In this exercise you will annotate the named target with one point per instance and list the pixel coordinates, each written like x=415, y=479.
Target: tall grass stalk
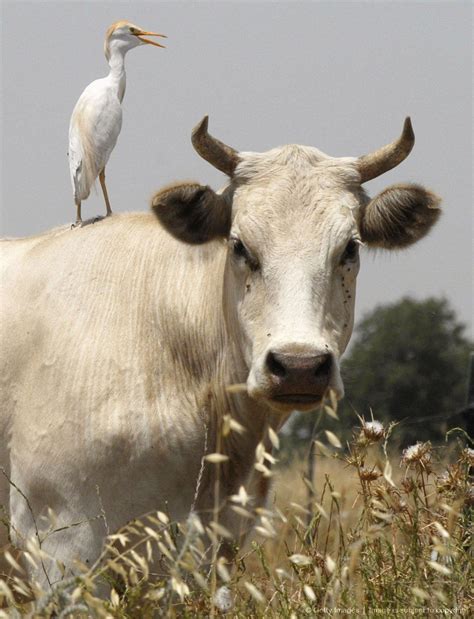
x=384, y=533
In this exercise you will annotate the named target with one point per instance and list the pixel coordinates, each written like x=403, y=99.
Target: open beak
x=141, y=34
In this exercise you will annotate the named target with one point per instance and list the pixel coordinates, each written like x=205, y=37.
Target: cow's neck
x=239, y=447
x=255, y=417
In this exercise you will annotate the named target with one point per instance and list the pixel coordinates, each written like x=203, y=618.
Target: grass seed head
x=368, y=475
x=419, y=454
x=223, y=599
x=373, y=431
x=467, y=455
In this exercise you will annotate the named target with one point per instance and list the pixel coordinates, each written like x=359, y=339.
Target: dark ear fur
x=399, y=216
x=192, y=213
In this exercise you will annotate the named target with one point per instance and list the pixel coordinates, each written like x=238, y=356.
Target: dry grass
x=385, y=535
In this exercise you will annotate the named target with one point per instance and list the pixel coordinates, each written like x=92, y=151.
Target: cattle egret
x=97, y=117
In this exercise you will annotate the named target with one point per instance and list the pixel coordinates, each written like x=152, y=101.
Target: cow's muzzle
x=300, y=378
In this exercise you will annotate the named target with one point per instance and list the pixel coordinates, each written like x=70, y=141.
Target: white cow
x=119, y=339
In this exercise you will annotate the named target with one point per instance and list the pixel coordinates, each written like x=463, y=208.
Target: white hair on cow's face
x=254, y=165
x=263, y=165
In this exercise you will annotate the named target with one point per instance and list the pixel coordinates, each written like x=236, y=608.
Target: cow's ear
x=399, y=216
x=192, y=213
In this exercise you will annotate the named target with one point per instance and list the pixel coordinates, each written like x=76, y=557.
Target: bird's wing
x=105, y=123
x=75, y=152
x=81, y=181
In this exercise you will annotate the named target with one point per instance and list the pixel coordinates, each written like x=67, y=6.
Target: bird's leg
x=104, y=191
x=78, y=221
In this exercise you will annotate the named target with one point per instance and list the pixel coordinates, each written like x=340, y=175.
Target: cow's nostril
x=324, y=365
x=276, y=368
x=297, y=368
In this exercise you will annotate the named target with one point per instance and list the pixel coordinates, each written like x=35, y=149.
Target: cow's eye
x=240, y=251
x=239, y=248
x=351, y=252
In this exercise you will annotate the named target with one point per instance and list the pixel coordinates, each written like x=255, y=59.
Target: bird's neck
x=117, y=75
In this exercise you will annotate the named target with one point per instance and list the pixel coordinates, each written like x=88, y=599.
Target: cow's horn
x=221, y=156
x=387, y=157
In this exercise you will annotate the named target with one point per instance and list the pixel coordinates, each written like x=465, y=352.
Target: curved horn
x=387, y=157
x=221, y=156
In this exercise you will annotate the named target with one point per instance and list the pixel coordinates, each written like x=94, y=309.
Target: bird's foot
x=80, y=223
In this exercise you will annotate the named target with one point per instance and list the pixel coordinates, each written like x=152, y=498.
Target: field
x=384, y=534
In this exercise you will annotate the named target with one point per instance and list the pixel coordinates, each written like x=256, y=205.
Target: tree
x=408, y=363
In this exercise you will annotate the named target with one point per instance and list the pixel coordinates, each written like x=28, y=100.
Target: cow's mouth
x=298, y=398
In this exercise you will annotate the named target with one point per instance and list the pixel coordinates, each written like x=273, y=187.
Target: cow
x=120, y=339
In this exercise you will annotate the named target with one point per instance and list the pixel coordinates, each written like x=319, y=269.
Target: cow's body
x=119, y=341
x=113, y=383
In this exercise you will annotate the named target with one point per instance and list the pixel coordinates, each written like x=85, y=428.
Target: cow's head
x=294, y=219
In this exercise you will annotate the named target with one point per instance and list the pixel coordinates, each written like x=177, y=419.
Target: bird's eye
x=133, y=30
x=240, y=251
x=351, y=252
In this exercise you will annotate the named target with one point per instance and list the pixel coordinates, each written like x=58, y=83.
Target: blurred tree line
x=408, y=363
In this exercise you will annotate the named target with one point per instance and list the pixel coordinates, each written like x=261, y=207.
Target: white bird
x=97, y=117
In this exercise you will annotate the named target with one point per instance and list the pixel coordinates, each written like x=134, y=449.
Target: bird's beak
x=141, y=34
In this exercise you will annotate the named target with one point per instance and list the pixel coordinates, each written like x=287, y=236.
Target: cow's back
x=120, y=282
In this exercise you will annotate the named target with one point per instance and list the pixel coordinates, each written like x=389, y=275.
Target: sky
x=340, y=76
